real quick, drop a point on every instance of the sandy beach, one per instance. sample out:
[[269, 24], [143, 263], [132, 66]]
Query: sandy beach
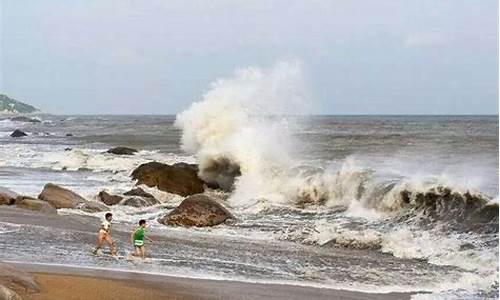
[[70, 283]]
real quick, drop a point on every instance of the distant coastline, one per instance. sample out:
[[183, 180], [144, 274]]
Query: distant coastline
[[12, 106]]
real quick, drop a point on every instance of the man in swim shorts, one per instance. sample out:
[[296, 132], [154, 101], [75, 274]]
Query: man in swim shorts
[[137, 238], [105, 236]]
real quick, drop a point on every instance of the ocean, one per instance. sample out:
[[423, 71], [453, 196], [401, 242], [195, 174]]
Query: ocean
[[362, 203]]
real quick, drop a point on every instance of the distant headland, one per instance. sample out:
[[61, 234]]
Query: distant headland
[[12, 106]]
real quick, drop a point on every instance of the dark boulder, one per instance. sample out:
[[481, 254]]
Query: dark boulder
[[18, 133], [180, 180], [109, 199], [60, 197], [122, 151], [197, 210], [69, 134]]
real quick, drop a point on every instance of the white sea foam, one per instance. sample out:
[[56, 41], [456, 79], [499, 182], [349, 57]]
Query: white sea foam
[[479, 264], [97, 160], [233, 125]]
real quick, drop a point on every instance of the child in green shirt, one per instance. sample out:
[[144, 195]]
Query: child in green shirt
[[137, 238]]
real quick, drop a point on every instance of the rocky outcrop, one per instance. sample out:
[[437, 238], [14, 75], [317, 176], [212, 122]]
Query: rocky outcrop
[[35, 204], [122, 151], [60, 197], [109, 199], [175, 179], [14, 281], [18, 133], [8, 197], [197, 210], [139, 202]]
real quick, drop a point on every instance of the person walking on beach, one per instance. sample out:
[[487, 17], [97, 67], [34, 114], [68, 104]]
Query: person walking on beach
[[104, 235], [137, 238]]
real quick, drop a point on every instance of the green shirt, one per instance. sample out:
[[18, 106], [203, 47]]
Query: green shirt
[[139, 234]]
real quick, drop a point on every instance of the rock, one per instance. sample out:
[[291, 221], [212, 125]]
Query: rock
[[219, 173], [122, 151], [68, 149], [193, 167], [139, 202], [69, 134], [138, 192], [178, 180], [109, 199], [7, 197], [24, 119], [92, 207], [35, 204], [18, 133], [60, 197], [16, 280], [197, 210], [8, 294]]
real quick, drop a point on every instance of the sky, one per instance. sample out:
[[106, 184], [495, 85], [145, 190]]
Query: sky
[[157, 57]]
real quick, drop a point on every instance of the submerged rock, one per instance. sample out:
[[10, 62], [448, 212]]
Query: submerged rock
[[176, 179], [92, 207], [122, 151], [60, 197], [109, 199], [24, 119], [197, 210], [18, 133], [138, 192], [139, 202]]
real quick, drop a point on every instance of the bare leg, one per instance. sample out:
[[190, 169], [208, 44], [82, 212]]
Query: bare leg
[[143, 252], [137, 252], [109, 240], [100, 238]]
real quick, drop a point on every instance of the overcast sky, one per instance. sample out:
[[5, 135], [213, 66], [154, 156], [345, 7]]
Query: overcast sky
[[156, 57]]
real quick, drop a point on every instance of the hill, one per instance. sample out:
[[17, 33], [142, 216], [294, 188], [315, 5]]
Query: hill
[[12, 106]]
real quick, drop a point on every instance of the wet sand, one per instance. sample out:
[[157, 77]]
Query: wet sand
[[71, 283]]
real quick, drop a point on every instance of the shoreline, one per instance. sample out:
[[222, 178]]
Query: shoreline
[[70, 282]]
